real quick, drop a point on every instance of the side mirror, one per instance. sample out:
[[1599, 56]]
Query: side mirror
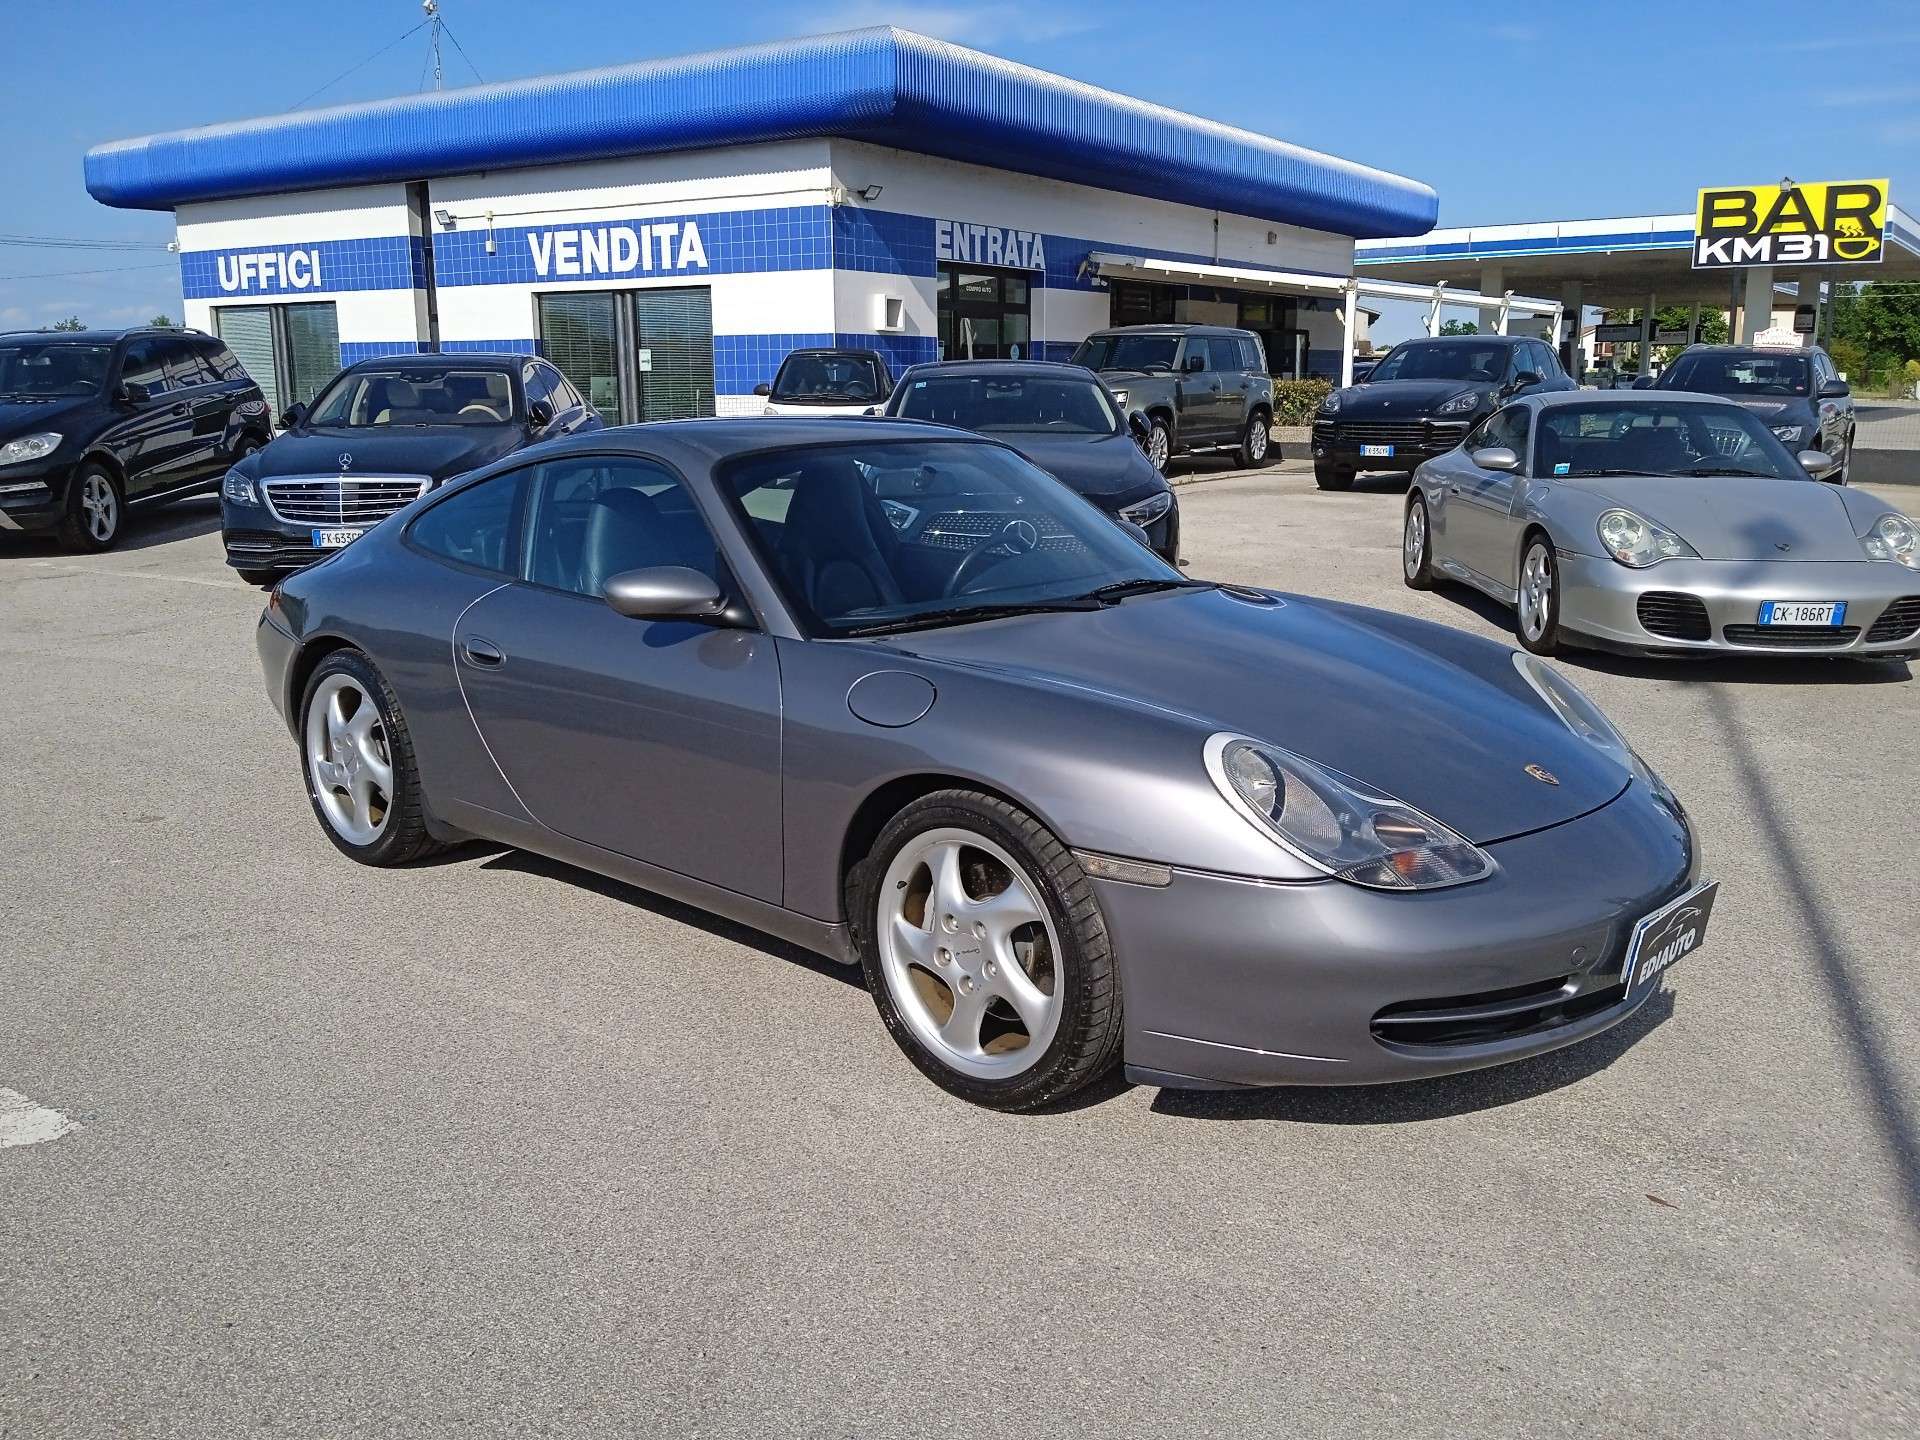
[[1643, 382], [132, 392], [1818, 463], [1836, 389], [1523, 380], [763, 389], [664, 592], [294, 416], [1136, 531], [871, 410], [539, 414], [1496, 457], [1196, 363]]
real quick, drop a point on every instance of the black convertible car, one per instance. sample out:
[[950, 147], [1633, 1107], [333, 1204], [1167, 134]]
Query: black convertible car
[[382, 433]]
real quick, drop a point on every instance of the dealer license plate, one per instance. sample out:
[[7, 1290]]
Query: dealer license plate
[[1668, 936], [334, 539], [1381, 450], [1796, 612]]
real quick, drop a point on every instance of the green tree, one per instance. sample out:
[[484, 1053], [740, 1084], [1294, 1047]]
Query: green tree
[[1459, 327], [1883, 320], [72, 322], [164, 321]]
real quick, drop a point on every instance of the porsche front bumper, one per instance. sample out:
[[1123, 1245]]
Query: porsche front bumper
[[1231, 982]]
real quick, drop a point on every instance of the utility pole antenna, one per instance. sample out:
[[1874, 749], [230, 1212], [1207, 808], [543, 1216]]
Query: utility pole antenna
[[432, 7]]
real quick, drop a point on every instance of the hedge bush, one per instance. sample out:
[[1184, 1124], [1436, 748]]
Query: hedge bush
[[1294, 401]]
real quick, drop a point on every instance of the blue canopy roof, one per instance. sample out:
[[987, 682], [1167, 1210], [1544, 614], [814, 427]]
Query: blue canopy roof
[[884, 85]]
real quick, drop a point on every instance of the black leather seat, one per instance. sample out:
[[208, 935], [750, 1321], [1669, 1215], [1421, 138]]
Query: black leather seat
[[628, 529], [836, 548]]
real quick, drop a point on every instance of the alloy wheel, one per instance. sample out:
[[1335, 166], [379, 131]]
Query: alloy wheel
[[1536, 591], [1415, 546], [1159, 447], [1257, 440], [348, 760], [99, 508], [969, 953]]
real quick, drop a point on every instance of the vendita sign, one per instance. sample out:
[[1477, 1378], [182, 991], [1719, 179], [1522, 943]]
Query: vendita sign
[[1835, 222]]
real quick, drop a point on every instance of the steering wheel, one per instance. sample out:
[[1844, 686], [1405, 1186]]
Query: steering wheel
[[476, 408], [1017, 537]]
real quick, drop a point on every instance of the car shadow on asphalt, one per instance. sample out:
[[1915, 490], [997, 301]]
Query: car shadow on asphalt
[[145, 529], [1442, 1098], [1698, 669], [528, 863]]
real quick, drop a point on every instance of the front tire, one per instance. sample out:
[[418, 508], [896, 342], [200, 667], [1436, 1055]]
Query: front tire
[[1255, 444], [986, 952], [1537, 607], [1416, 548], [1330, 476], [1159, 446], [96, 512], [357, 756]]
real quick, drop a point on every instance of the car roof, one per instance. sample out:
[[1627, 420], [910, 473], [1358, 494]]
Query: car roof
[[1556, 399], [1748, 350], [474, 359], [714, 439], [860, 350], [101, 337], [1172, 327], [1497, 339], [1001, 367]]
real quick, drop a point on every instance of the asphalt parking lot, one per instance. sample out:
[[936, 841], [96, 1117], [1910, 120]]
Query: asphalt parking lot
[[492, 1146]]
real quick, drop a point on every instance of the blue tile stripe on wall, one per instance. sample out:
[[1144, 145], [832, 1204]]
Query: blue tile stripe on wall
[[314, 267], [731, 242]]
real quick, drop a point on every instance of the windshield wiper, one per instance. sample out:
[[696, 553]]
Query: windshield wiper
[[1728, 470], [966, 614], [1146, 585]]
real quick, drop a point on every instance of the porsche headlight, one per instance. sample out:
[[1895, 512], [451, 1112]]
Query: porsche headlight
[[29, 447], [1635, 540], [239, 489], [1893, 537], [1460, 404], [1149, 509], [1588, 721], [1337, 824], [1331, 403]]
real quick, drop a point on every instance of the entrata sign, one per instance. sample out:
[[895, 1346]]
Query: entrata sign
[[957, 241], [1837, 222]]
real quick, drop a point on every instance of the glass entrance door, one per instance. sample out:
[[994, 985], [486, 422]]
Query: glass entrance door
[[985, 314], [673, 352]]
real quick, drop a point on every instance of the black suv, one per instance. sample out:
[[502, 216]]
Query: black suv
[[94, 423], [1200, 387], [1797, 394], [381, 434], [1422, 399]]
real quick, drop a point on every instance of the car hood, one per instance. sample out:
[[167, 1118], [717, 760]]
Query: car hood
[[1122, 378], [1101, 467], [1773, 407], [1391, 399], [820, 407], [1732, 517], [439, 453], [31, 417], [1365, 692]]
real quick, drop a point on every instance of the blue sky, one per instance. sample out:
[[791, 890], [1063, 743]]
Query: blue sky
[[1542, 111]]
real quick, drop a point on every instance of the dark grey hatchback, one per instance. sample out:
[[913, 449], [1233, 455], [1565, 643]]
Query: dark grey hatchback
[[1797, 394]]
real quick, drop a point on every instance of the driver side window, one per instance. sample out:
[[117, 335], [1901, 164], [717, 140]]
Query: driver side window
[[1507, 428], [597, 516]]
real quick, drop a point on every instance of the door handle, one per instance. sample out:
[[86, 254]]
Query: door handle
[[180, 409], [482, 652], [1453, 489]]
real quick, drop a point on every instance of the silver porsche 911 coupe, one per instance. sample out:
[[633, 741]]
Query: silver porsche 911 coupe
[[887, 690], [1659, 522]]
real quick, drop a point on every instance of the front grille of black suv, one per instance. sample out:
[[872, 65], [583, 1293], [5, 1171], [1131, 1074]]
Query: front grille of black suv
[[1428, 435], [1673, 615]]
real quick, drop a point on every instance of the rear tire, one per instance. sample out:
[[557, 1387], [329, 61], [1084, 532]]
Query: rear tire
[[1416, 548], [1329, 476], [96, 511], [986, 952], [1537, 610], [357, 758], [1256, 444]]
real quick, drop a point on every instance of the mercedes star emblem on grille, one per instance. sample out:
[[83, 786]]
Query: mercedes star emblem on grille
[[346, 462]]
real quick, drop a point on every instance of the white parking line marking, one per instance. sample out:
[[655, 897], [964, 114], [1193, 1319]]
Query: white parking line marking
[[24, 1123], [70, 571]]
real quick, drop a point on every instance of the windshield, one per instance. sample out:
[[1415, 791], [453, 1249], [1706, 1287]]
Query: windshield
[[376, 398], [1127, 352], [1712, 374], [829, 380], [35, 369], [899, 535], [1443, 360], [1646, 437], [1053, 404]]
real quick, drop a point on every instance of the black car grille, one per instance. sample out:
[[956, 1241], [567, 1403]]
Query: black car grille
[[1898, 621], [1431, 436], [1674, 616], [314, 500], [965, 529], [1791, 637], [1490, 1015]]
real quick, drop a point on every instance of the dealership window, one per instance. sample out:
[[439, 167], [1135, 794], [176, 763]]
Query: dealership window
[[634, 354], [985, 314], [290, 351], [1135, 304]]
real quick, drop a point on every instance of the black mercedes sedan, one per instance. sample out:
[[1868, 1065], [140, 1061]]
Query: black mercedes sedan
[[1422, 399], [1063, 419], [382, 433]]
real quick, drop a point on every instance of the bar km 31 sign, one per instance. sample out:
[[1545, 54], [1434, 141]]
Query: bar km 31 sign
[[1836, 222]]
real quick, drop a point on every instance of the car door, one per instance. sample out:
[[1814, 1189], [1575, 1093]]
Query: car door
[[157, 433], [1201, 403], [191, 381], [1833, 412], [569, 412], [654, 739], [1481, 501], [1231, 368]]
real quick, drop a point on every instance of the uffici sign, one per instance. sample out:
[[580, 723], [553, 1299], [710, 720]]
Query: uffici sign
[[1832, 222]]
